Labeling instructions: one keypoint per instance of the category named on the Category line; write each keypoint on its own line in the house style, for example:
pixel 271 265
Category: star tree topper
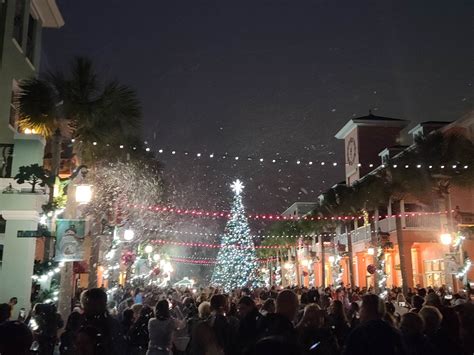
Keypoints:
pixel 237 186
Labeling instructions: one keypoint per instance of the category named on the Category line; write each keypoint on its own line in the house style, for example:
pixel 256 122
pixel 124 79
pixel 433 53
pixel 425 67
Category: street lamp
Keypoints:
pixel 446 238
pixel 148 249
pixel 128 235
pixel 371 251
pixel 83 193
pixel 156 257
pixel 331 258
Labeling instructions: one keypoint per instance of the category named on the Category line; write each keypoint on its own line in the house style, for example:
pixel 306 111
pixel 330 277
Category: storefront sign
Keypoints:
pixel 70 240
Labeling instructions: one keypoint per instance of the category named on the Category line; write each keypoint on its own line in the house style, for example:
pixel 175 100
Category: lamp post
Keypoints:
pixel 83 195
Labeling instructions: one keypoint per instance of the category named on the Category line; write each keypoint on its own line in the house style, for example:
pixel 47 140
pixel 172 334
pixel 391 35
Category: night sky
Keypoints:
pixel 256 78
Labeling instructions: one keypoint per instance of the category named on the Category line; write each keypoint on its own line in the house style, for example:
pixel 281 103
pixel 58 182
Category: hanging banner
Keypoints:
pixel 70 239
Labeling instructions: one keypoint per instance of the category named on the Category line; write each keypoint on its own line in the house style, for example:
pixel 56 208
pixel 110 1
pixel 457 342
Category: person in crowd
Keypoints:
pixel 112 309
pixel 67 340
pixel 411 328
pixel 391 317
pixel 136 308
pixel 128 318
pixel 204 310
pixel 373 335
pixel 189 308
pixel 338 321
pixel 268 307
pixel 15 338
pixel 161 330
pixel 417 303
pixel 249 318
pixel 465 313
pixel 280 323
pixel 99 332
pixel 214 335
pixel 313 337
pixel 126 304
pixel 441 339
pixel 13 302
pixel 354 315
pixel 138 334
pixel 138 296
pixel 5 312
pixel 45 323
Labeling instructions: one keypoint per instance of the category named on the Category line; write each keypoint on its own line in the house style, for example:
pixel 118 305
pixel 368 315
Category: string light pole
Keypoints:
pixel 237 263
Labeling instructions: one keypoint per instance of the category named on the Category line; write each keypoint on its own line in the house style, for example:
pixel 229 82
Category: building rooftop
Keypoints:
pixel 370 120
pixel 299 209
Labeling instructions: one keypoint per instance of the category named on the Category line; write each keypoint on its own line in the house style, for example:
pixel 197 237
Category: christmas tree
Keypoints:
pixel 236 264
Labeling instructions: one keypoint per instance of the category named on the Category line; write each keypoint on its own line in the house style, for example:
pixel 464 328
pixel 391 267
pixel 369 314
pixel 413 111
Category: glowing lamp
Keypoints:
pixel 148 249
pixel 156 257
pixel 371 251
pixel 128 234
pixel 83 194
pixel 288 266
pixel 446 238
pixel 331 258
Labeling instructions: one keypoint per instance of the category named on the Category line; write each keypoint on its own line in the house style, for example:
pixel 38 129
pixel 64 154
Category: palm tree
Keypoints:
pixel 79 105
pixel 444 158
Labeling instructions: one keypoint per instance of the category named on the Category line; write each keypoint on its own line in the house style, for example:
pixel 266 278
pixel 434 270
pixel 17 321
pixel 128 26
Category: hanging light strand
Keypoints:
pixel 272 217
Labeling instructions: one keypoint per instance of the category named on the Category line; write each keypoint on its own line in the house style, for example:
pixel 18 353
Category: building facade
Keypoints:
pixel 21 25
pixel 428 261
pixel 348 252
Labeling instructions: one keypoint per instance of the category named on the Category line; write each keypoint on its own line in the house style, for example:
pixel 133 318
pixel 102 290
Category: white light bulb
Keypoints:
pixel 128 234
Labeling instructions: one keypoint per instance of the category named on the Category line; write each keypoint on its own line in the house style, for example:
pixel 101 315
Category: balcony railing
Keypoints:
pixel 387 225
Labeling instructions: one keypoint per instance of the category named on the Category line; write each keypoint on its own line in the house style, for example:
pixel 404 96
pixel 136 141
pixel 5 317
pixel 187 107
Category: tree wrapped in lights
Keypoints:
pixel 237 263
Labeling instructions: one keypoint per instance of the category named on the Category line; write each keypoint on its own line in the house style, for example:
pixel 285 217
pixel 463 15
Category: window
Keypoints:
pixel 3 225
pixel 13 111
pixel 31 39
pixel 18 21
pixel 6 158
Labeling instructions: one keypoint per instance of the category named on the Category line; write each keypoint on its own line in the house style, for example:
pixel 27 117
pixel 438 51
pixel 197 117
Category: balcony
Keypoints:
pixel 428 222
pixel 387 225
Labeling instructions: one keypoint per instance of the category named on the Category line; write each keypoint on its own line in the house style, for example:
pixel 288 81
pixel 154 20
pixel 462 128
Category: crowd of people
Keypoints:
pixel 207 321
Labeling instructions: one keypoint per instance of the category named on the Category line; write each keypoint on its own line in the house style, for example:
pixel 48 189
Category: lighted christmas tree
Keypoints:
pixel 236 264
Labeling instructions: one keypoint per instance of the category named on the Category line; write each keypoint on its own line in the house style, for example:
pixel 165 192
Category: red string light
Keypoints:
pixel 272 217
pixel 215 246
pixel 208 261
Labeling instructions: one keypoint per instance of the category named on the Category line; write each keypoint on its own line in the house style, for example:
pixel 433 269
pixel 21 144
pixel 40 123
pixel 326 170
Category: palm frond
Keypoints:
pixel 37 107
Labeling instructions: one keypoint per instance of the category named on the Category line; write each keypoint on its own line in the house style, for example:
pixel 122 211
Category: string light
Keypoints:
pixel 207 261
pixel 277 217
pixel 465 269
pixel 215 246
pixel 48 274
pixel 205 234
pixel 277 158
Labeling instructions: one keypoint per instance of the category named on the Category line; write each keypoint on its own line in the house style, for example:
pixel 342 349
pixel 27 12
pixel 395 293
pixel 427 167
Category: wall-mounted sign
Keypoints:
pixel 39 233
